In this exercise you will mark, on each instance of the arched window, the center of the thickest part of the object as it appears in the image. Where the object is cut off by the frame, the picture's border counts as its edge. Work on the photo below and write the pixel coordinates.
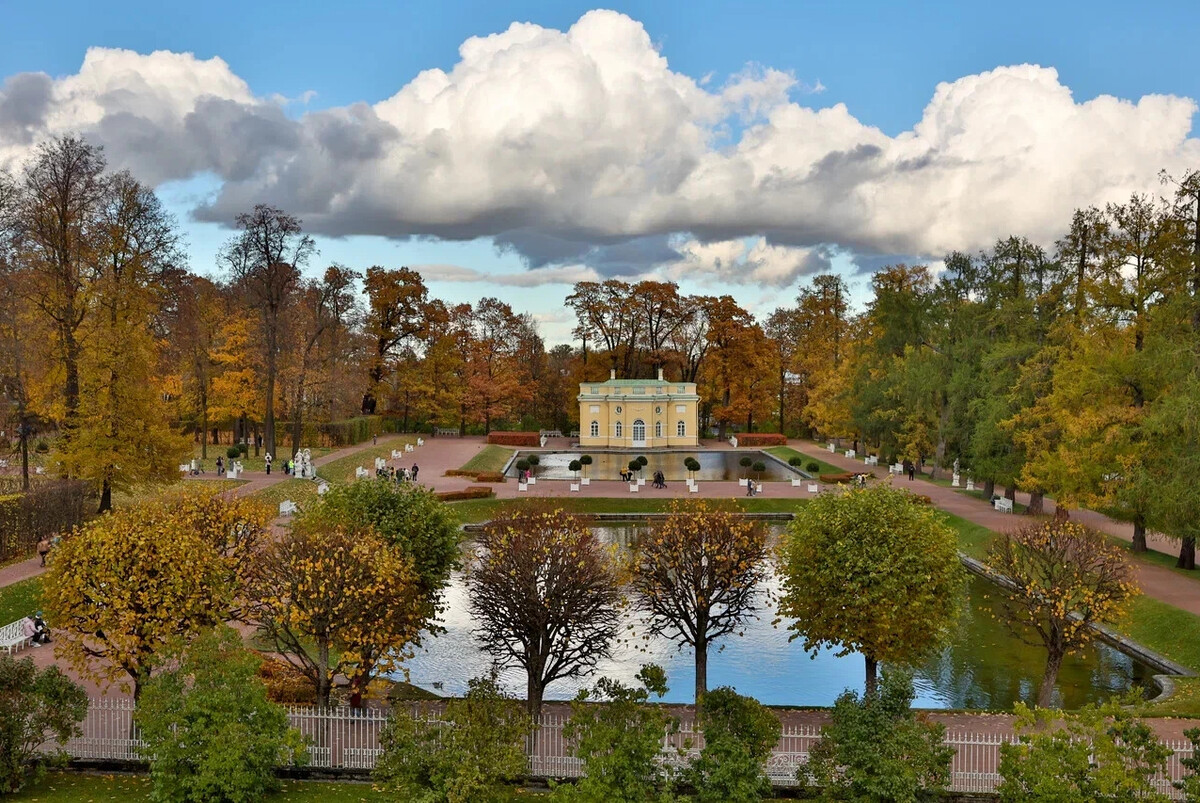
(658, 429)
(595, 429)
(620, 431)
(681, 429)
(639, 431)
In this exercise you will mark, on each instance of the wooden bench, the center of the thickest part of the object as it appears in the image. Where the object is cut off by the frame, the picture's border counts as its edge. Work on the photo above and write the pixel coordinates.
(12, 636)
(1003, 505)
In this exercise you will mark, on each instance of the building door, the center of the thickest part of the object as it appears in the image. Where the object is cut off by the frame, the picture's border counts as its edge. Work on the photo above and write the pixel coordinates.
(639, 433)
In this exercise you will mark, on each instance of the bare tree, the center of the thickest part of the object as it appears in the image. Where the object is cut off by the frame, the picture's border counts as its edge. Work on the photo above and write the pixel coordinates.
(545, 595)
(696, 577)
(264, 260)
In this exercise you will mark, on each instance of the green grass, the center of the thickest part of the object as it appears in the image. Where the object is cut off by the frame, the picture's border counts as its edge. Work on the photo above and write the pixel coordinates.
(68, 787)
(973, 539)
(20, 599)
(1176, 634)
(341, 471)
(476, 510)
(786, 453)
(250, 462)
(295, 489)
(491, 458)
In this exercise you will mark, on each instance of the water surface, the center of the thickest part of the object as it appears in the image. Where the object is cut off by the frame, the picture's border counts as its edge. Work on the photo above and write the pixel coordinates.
(714, 466)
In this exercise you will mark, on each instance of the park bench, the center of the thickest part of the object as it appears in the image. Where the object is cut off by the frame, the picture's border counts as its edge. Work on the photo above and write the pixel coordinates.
(797, 482)
(361, 472)
(287, 508)
(871, 460)
(851, 453)
(12, 636)
(446, 432)
(1003, 505)
(550, 433)
(813, 488)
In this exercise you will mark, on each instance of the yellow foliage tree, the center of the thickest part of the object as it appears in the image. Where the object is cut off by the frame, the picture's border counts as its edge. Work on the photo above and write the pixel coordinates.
(124, 585)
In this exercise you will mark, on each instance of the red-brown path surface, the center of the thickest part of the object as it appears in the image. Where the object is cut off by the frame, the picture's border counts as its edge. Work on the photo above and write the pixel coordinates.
(1156, 581)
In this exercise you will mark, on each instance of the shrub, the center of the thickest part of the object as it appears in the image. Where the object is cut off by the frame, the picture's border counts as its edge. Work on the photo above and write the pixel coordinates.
(620, 741)
(467, 754)
(285, 683)
(575, 466)
(834, 479)
(642, 461)
(585, 459)
(762, 439)
(796, 461)
(522, 465)
(1096, 753)
(739, 733)
(490, 476)
(515, 438)
(243, 449)
(759, 467)
(812, 466)
(533, 459)
(42, 447)
(875, 748)
(35, 706)
(233, 452)
(471, 492)
(210, 731)
(47, 508)
(634, 465)
(746, 462)
(459, 472)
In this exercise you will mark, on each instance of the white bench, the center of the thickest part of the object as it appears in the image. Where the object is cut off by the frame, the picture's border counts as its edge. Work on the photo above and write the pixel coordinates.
(420, 441)
(1003, 505)
(574, 486)
(871, 460)
(287, 508)
(12, 636)
(813, 488)
(797, 482)
(446, 432)
(395, 454)
(633, 487)
(361, 472)
(322, 488)
(851, 453)
(380, 463)
(408, 447)
(830, 448)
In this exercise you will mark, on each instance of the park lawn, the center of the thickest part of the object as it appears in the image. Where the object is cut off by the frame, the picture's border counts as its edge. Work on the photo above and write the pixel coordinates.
(490, 458)
(20, 599)
(70, 787)
(1176, 634)
(250, 462)
(341, 471)
(786, 453)
(474, 511)
(973, 539)
(297, 490)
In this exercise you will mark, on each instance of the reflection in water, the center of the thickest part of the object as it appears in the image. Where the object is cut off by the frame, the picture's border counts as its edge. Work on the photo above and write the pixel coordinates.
(714, 466)
(983, 667)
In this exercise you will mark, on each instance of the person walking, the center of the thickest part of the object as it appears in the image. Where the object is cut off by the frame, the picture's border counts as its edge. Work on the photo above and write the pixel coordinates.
(374, 440)
(415, 469)
(43, 549)
(267, 461)
(220, 465)
(912, 471)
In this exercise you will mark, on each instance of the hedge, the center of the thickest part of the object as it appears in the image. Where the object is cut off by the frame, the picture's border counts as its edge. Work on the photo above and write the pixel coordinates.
(285, 683)
(48, 508)
(470, 492)
(833, 479)
(762, 439)
(515, 438)
(489, 476)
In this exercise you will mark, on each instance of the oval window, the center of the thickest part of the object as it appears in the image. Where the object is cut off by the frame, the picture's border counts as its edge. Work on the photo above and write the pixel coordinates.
(658, 411)
(618, 410)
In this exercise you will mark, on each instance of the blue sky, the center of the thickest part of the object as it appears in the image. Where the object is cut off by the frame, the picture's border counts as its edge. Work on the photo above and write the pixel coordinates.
(883, 61)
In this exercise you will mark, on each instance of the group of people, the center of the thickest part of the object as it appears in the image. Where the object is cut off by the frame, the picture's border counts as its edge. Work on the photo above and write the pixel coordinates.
(398, 474)
(660, 480)
(753, 488)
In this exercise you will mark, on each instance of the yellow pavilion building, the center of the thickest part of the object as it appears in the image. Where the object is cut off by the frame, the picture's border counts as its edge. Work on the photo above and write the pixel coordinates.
(638, 413)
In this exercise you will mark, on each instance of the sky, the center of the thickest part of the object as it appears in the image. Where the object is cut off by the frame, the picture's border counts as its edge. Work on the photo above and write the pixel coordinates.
(512, 149)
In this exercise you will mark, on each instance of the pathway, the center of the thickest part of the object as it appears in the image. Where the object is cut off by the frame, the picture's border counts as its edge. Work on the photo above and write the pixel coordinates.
(1156, 581)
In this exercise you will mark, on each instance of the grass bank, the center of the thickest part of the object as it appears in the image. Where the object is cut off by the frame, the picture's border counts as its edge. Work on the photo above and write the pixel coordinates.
(491, 458)
(786, 453)
(294, 489)
(341, 471)
(69, 787)
(20, 599)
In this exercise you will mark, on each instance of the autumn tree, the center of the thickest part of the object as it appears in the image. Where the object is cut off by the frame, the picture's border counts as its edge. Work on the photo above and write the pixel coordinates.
(1062, 578)
(335, 601)
(496, 377)
(200, 310)
(124, 585)
(696, 577)
(264, 260)
(397, 310)
(872, 571)
(545, 596)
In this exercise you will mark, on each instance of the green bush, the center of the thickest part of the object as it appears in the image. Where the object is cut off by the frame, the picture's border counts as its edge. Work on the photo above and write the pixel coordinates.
(575, 465)
(796, 460)
(243, 449)
(533, 459)
(875, 748)
(739, 734)
(42, 446)
(619, 738)
(759, 466)
(1098, 753)
(642, 461)
(746, 462)
(211, 733)
(233, 452)
(812, 466)
(634, 465)
(467, 754)
(35, 706)
(522, 465)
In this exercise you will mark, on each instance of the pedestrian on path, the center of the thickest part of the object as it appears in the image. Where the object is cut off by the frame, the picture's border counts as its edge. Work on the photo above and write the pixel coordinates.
(267, 461)
(374, 440)
(415, 469)
(220, 465)
(43, 549)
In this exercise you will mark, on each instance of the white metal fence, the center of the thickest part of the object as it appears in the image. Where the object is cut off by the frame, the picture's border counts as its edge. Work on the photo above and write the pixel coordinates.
(344, 738)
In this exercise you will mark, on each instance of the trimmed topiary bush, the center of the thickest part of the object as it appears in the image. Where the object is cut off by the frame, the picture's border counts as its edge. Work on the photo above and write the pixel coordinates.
(812, 466)
(796, 461)
(233, 452)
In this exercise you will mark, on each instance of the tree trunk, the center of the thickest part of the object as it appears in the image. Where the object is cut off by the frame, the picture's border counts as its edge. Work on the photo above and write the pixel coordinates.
(1139, 534)
(105, 496)
(1187, 554)
(269, 422)
(1054, 661)
(203, 424)
(323, 684)
(872, 675)
(534, 689)
(701, 670)
(989, 489)
(1010, 493)
(1037, 504)
(71, 385)
(24, 449)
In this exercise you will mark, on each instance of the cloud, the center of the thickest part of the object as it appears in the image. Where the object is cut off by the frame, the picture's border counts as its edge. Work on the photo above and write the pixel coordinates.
(582, 150)
(566, 274)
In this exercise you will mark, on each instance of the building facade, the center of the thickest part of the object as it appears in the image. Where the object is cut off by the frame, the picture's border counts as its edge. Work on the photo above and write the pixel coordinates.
(638, 413)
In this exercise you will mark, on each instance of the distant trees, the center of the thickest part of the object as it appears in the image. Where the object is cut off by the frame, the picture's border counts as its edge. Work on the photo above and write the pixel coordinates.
(873, 571)
(696, 577)
(545, 597)
(1066, 577)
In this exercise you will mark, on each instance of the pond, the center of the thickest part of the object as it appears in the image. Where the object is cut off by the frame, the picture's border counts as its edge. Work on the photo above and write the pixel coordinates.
(714, 466)
(984, 666)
